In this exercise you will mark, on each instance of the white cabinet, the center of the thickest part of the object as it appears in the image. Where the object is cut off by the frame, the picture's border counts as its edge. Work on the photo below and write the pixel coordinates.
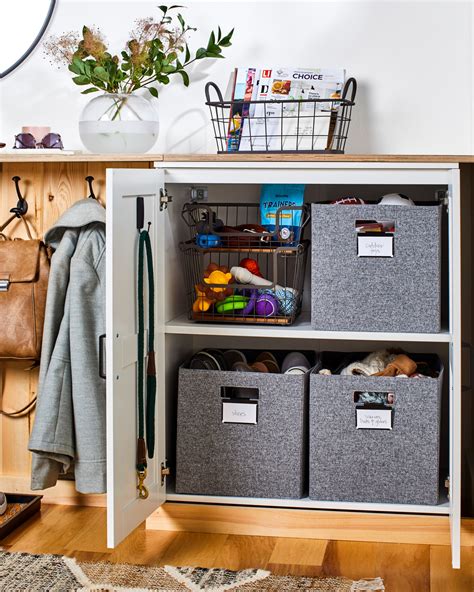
(177, 337)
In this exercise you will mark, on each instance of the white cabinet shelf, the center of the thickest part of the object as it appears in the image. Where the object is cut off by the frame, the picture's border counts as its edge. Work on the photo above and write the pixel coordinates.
(301, 329)
(309, 504)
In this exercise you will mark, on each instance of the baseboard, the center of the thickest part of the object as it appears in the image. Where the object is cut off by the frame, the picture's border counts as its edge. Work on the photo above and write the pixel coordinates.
(312, 524)
(63, 493)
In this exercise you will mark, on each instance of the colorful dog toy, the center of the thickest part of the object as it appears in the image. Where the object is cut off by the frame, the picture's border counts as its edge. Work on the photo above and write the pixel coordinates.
(208, 240)
(266, 305)
(244, 276)
(231, 303)
(205, 229)
(251, 265)
(208, 295)
(268, 302)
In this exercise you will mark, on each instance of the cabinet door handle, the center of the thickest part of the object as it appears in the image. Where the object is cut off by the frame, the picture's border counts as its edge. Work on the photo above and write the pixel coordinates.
(102, 356)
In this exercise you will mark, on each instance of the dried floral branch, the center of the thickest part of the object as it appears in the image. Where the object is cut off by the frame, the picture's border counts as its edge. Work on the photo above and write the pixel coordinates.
(150, 57)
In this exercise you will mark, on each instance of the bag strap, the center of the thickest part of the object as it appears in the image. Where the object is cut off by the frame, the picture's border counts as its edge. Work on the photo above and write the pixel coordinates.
(19, 412)
(27, 227)
(10, 220)
(144, 246)
(28, 408)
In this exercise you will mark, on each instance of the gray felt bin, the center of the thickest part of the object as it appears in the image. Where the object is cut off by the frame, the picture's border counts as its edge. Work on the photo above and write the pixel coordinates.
(266, 459)
(400, 465)
(397, 294)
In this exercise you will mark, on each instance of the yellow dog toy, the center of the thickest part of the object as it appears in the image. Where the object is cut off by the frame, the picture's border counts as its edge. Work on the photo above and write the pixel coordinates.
(207, 295)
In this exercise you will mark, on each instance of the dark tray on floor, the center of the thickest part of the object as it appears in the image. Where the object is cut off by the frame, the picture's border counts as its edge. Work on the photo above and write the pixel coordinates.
(30, 504)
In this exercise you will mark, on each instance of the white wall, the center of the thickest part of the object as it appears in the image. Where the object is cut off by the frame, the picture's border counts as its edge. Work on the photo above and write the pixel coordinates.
(412, 60)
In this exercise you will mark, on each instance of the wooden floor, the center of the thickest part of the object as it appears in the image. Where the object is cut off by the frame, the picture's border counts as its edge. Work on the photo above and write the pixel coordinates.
(80, 532)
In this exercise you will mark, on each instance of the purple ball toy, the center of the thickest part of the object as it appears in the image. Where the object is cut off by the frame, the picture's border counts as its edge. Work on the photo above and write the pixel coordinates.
(249, 309)
(266, 305)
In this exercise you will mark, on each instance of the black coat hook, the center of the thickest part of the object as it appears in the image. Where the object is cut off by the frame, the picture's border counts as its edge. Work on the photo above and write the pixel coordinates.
(89, 180)
(22, 205)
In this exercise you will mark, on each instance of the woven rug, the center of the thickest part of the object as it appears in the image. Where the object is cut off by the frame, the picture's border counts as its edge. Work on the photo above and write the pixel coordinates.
(23, 572)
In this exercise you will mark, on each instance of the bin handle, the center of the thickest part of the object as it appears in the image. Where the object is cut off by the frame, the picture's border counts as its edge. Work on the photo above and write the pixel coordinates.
(351, 83)
(255, 393)
(213, 85)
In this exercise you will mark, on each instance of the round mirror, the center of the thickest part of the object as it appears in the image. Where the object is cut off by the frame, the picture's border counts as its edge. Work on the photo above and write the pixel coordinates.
(22, 24)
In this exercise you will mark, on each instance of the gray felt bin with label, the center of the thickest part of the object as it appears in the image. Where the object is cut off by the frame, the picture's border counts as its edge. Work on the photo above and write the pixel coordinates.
(397, 294)
(400, 465)
(266, 459)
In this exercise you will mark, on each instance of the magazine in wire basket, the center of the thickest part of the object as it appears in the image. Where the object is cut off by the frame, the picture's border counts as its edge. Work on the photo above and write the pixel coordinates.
(258, 125)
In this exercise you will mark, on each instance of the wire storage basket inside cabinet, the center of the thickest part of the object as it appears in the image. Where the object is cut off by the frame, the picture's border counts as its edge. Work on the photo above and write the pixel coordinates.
(318, 126)
(238, 226)
(240, 272)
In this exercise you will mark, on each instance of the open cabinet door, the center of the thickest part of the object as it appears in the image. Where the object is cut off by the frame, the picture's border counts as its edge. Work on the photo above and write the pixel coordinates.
(455, 374)
(125, 510)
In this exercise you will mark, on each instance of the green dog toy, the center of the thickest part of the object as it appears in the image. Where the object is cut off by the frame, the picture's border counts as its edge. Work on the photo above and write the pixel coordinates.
(235, 302)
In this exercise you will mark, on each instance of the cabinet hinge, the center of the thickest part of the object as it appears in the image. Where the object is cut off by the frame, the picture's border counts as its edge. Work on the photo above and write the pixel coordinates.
(447, 485)
(165, 199)
(165, 471)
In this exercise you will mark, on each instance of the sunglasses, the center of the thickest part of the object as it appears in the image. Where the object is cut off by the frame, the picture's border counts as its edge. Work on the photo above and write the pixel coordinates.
(29, 141)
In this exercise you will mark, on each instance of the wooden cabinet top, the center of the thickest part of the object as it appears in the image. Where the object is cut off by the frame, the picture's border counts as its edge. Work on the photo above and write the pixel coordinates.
(148, 158)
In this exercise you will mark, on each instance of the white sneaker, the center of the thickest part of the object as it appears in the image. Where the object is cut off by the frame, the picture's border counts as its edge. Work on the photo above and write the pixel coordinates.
(3, 503)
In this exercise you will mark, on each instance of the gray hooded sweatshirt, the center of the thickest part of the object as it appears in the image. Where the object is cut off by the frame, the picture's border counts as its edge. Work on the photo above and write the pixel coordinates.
(70, 413)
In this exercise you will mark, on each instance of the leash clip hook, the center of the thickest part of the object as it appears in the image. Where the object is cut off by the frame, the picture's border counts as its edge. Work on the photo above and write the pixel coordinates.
(142, 488)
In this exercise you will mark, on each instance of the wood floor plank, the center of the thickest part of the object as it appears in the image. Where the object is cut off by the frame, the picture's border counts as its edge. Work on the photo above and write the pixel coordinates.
(80, 532)
(194, 549)
(36, 522)
(90, 556)
(54, 529)
(242, 552)
(143, 547)
(298, 556)
(443, 578)
(92, 535)
(350, 559)
(403, 568)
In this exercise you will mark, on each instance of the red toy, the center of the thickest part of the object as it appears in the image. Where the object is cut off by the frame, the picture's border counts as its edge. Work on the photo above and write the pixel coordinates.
(251, 265)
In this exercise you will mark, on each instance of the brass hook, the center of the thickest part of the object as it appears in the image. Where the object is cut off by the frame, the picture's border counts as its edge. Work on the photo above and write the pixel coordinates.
(142, 488)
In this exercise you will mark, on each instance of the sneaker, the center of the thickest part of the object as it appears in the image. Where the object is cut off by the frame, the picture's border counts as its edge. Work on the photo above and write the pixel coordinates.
(3, 503)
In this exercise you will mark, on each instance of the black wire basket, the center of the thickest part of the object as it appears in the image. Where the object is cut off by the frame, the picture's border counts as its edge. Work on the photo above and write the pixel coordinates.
(214, 294)
(237, 271)
(238, 226)
(314, 126)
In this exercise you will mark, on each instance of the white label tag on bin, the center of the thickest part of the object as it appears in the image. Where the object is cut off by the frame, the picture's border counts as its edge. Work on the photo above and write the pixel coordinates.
(374, 419)
(375, 246)
(239, 412)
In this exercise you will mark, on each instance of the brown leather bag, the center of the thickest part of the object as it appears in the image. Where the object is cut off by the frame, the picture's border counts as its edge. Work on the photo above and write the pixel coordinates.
(24, 272)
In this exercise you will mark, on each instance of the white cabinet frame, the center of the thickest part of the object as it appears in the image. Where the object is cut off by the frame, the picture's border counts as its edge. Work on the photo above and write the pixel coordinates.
(235, 173)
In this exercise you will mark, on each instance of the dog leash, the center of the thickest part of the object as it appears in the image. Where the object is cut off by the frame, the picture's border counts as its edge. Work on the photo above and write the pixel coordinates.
(145, 405)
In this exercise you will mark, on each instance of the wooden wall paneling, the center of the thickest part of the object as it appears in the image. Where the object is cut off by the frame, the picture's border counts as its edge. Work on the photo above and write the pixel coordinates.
(19, 383)
(64, 184)
(16, 431)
